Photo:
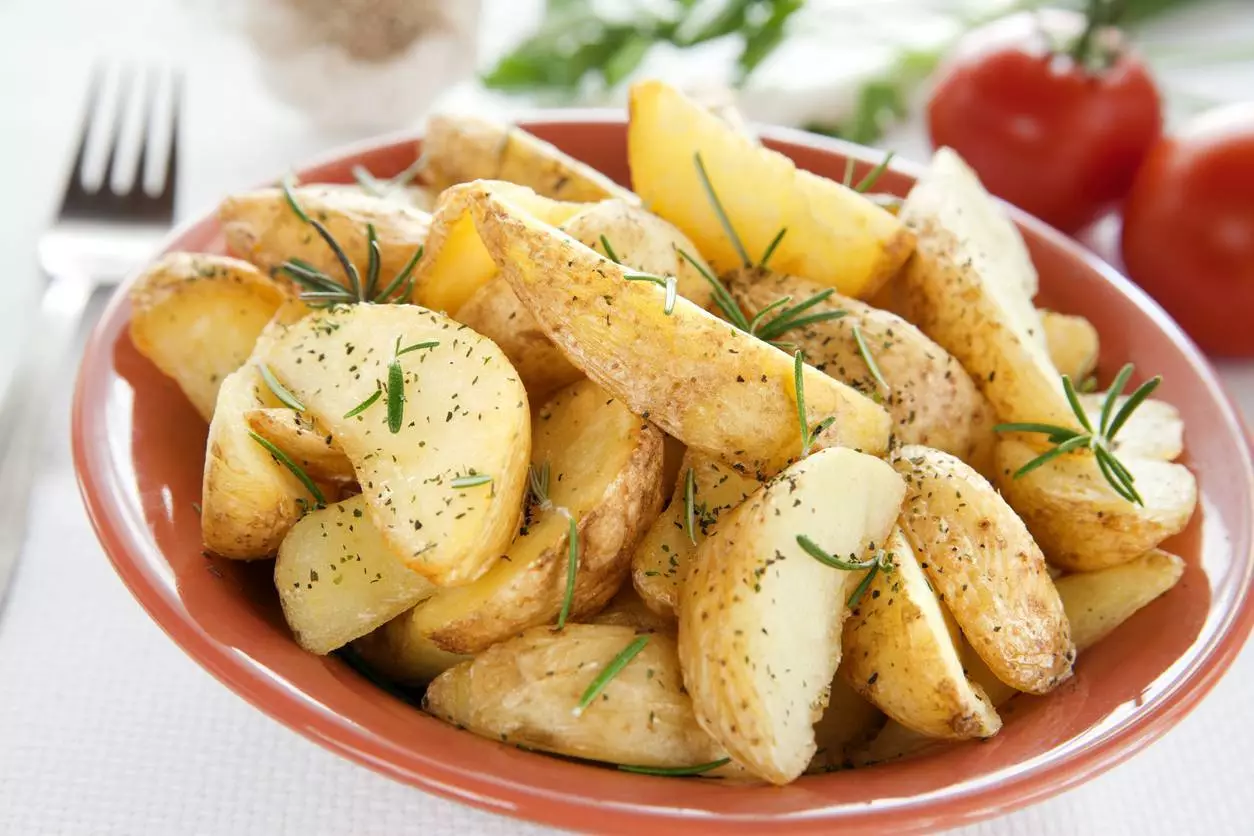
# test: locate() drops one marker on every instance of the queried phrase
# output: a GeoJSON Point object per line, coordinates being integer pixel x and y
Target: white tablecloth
{"type": "Point", "coordinates": [105, 727]}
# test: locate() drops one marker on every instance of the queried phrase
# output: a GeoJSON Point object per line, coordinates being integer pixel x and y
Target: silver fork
{"type": "Point", "coordinates": [101, 233]}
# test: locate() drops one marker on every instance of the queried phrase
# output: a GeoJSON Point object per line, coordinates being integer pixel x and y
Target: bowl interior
{"type": "Point", "coordinates": [139, 452]}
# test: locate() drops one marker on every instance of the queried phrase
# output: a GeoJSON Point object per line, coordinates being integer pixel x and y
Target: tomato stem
{"type": "Point", "coordinates": [1086, 52]}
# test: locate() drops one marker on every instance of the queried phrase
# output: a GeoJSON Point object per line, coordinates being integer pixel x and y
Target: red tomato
{"type": "Point", "coordinates": [1188, 229]}
{"type": "Point", "coordinates": [1056, 139]}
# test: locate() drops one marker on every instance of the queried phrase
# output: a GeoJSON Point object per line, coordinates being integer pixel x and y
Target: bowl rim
{"type": "Point", "coordinates": [1035, 782]}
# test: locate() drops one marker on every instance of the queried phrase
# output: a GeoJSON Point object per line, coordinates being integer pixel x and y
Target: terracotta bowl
{"type": "Point", "coordinates": [138, 451]}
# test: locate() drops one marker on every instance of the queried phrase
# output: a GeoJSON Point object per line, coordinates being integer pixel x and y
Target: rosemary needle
{"type": "Point", "coordinates": [471, 480]}
{"type": "Point", "coordinates": [396, 395]}
{"type": "Point", "coordinates": [280, 391]}
{"type": "Point", "coordinates": [364, 405]}
{"type": "Point", "coordinates": [869, 359]}
{"type": "Point", "coordinates": [690, 500]}
{"type": "Point", "coordinates": [612, 670]}
{"type": "Point", "coordinates": [572, 566]}
{"type": "Point", "coordinates": [717, 206]}
{"type": "Point", "coordinates": [297, 471]}
{"type": "Point", "coordinates": [675, 771]}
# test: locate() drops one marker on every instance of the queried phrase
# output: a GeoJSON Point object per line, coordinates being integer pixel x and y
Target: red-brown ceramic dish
{"type": "Point", "coordinates": [138, 450]}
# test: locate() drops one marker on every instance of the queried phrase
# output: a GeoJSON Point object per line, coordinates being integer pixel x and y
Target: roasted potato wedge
{"type": "Point", "coordinates": [405, 655]}
{"type": "Point", "coordinates": [463, 413]}
{"type": "Point", "coordinates": [986, 568]}
{"type": "Point", "coordinates": [662, 556]}
{"type": "Point", "coordinates": [1079, 520]}
{"type": "Point", "coordinates": [931, 399]}
{"type": "Point", "coordinates": [627, 609]}
{"type": "Point", "coordinates": [835, 236]}
{"type": "Point", "coordinates": [1098, 602]}
{"type": "Point", "coordinates": [261, 227]}
{"type": "Point", "coordinates": [1155, 429]}
{"type": "Point", "coordinates": [459, 149]}
{"type": "Point", "coordinates": [893, 742]}
{"type": "Point", "coordinates": [304, 440]}
{"type": "Point", "coordinates": [898, 655]}
{"type": "Point", "coordinates": [715, 388]}
{"type": "Point", "coordinates": [969, 287]}
{"type": "Point", "coordinates": [848, 722]}
{"type": "Point", "coordinates": [638, 239]}
{"type": "Point", "coordinates": [338, 580]}
{"type": "Point", "coordinates": [1072, 342]}
{"type": "Point", "coordinates": [760, 619]}
{"type": "Point", "coordinates": [197, 318]}
{"type": "Point", "coordinates": [527, 691]}
{"type": "Point", "coordinates": [605, 472]}
{"type": "Point", "coordinates": [455, 264]}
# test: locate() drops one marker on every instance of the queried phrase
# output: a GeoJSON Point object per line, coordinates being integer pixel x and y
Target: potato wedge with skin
{"type": "Point", "coordinates": [404, 655]}
{"type": "Point", "coordinates": [459, 149]}
{"type": "Point", "coordinates": [931, 399]}
{"type": "Point", "coordinates": [760, 619]}
{"type": "Point", "coordinates": [898, 654]}
{"type": "Point", "coordinates": [715, 388]}
{"type": "Point", "coordinates": [1098, 602]}
{"type": "Point", "coordinates": [627, 609]}
{"type": "Point", "coordinates": [1155, 429]}
{"type": "Point", "coordinates": [638, 239]}
{"type": "Point", "coordinates": [848, 722]}
{"type": "Point", "coordinates": [455, 264]}
{"type": "Point", "coordinates": [662, 556]}
{"type": "Point", "coordinates": [1072, 342]}
{"type": "Point", "coordinates": [338, 580]}
{"type": "Point", "coordinates": [261, 227]}
{"type": "Point", "coordinates": [464, 412]}
{"type": "Point", "coordinates": [605, 471]}
{"type": "Point", "coordinates": [986, 569]}
{"type": "Point", "coordinates": [1076, 516]}
{"type": "Point", "coordinates": [893, 742]}
{"type": "Point", "coordinates": [969, 287]}
{"type": "Point", "coordinates": [526, 691]}
{"type": "Point", "coordinates": [835, 237]}
{"type": "Point", "coordinates": [197, 318]}
{"type": "Point", "coordinates": [304, 440]}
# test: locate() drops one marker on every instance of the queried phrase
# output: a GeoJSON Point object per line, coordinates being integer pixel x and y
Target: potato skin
{"type": "Point", "coordinates": [460, 149]}
{"type": "Point", "coordinates": [1072, 342]}
{"type": "Point", "coordinates": [1077, 518]}
{"type": "Point", "coordinates": [760, 619]}
{"type": "Point", "coordinates": [605, 471]}
{"type": "Point", "coordinates": [261, 227]}
{"type": "Point", "coordinates": [304, 440]}
{"type": "Point", "coordinates": [404, 655]}
{"type": "Point", "coordinates": [197, 318]}
{"type": "Point", "coordinates": [986, 568]}
{"type": "Point", "coordinates": [898, 655]}
{"type": "Point", "coordinates": [525, 691]}
{"type": "Point", "coordinates": [711, 386]}
{"type": "Point", "coordinates": [931, 398]}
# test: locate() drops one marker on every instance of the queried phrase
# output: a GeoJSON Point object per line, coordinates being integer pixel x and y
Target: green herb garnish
{"type": "Point", "coordinates": [379, 187]}
{"type": "Point", "coordinates": [881, 561]}
{"type": "Point", "coordinates": [400, 352]}
{"type": "Point", "coordinates": [791, 317]}
{"type": "Point", "coordinates": [297, 471]}
{"type": "Point", "coordinates": [471, 480]}
{"type": "Point", "coordinates": [572, 566]}
{"type": "Point", "coordinates": [611, 670]}
{"type": "Point", "coordinates": [538, 479]}
{"type": "Point", "coordinates": [280, 391]}
{"type": "Point", "coordinates": [690, 504]}
{"type": "Point", "coordinates": [770, 248]}
{"type": "Point", "coordinates": [364, 405]}
{"type": "Point", "coordinates": [1100, 439]}
{"type": "Point", "coordinates": [869, 359]}
{"type": "Point", "coordinates": [676, 771]}
{"type": "Point", "coordinates": [668, 283]}
{"type": "Point", "coordinates": [722, 296]}
{"type": "Point", "coordinates": [717, 206]}
{"type": "Point", "coordinates": [396, 395]}
{"type": "Point", "coordinates": [865, 184]}
{"type": "Point", "coordinates": [609, 251]}
{"type": "Point", "coordinates": [807, 435]}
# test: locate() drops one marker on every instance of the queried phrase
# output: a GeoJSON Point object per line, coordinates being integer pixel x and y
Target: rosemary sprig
{"type": "Point", "coordinates": [668, 283]}
{"type": "Point", "coordinates": [864, 185]}
{"type": "Point", "coordinates": [350, 271]}
{"type": "Point", "coordinates": [717, 206]}
{"type": "Point", "coordinates": [791, 317]}
{"type": "Point", "coordinates": [675, 771]}
{"type": "Point", "coordinates": [609, 250]}
{"type": "Point", "coordinates": [470, 480]}
{"type": "Point", "coordinates": [1100, 439]}
{"type": "Point", "coordinates": [396, 392]}
{"type": "Point", "coordinates": [807, 435]}
{"type": "Point", "coordinates": [400, 352]}
{"type": "Point", "coordinates": [722, 296]}
{"type": "Point", "coordinates": [572, 566]}
{"type": "Point", "coordinates": [296, 470]}
{"type": "Point", "coordinates": [613, 669]}
{"type": "Point", "coordinates": [869, 359]}
{"type": "Point", "coordinates": [280, 391]}
{"type": "Point", "coordinates": [879, 562]}
{"type": "Point", "coordinates": [770, 248]}
{"type": "Point", "coordinates": [364, 405]}
{"type": "Point", "coordinates": [690, 504]}
{"type": "Point", "coordinates": [373, 260]}
{"type": "Point", "coordinates": [538, 479]}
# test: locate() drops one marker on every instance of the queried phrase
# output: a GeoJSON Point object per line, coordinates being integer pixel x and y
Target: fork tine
{"type": "Point", "coordinates": [120, 108]}
{"type": "Point", "coordinates": [166, 195]}
{"type": "Point", "coordinates": [74, 185]}
{"type": "Point", "coordinates": [145, 132]}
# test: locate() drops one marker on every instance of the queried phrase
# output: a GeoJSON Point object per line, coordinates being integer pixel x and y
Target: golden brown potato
{"type": "Point", "coordinates": [835, 236]}
{"type": "Point", "coordinates": [986, 569]}
{"type": "Point", "coordinates": [605, 470]}
{"type": "Point", "coordinates": [713, 387]}
{"type": "Point", "coordinates": [1072, 343]}
{"type": "Point", "coordinates": [898, 654]}
{"type": "Point", "coordinates": [338, 580]}
{"type": "Point", "coordinates": [260, 226]}
{"type": "Point", "coordinates": [662, 556]}
{"type": "Point", "coordinates": [459, 149]}
{"type": "Point", "coordinates": [1098, 602]}
{"type": "Point", "coordinates": [760, 619]}
{"type": "Point", "coordinates": [197, 318]}
{"type": "Point", "coordinates": [455, 264]}
{"type": "Point", "coordinates": [893, 742]}
{"type": "Point", "coordinates": [405, 655]}
{"type": "Point", "coordinates": [304, 440]}
{"type": "Point", "coordinates": [969, 287]}
{"type": "Point", "coordinates": [527, 691]}
{"type": "Point", "coordinates": [627, 609]}
{"type": "Point", "coordinates": [1155, 429]}
{"type": "Point", "coordinates": [931, 399]}
{"type": "Point", "coordinates": [462, 415]}
{"type": "Point", "coordinates": [1076, 516]}
{"type": "Point", "coordinates": [848, 722]}
{"type": "Point", "coordinates": [638, 239]}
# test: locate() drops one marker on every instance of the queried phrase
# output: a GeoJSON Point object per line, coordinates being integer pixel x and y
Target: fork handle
{"type": "Point", "coordinates": [35, 386]}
